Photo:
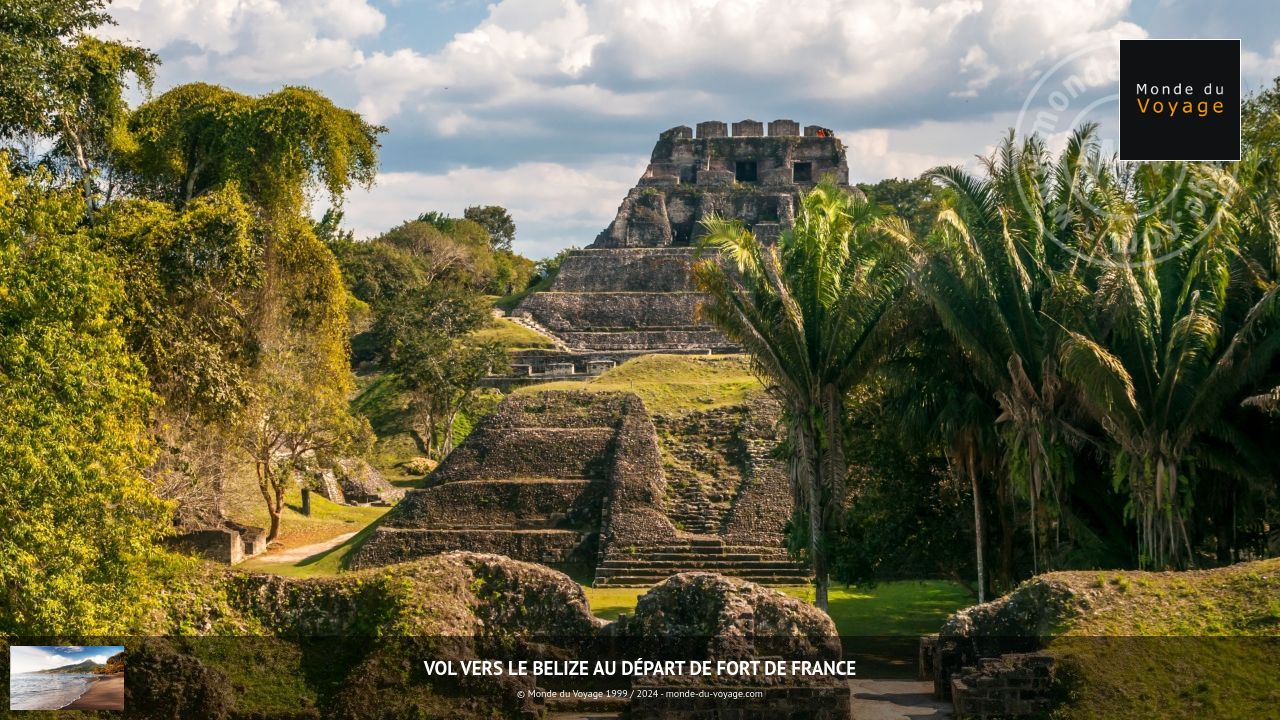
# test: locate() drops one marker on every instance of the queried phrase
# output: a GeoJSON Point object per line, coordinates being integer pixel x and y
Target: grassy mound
{"type": "Point", "coordinates": [901, 608]}
{"type": "Point", "coordinates": [675, 384]}
{"type": "Point", "coordinates": [512, 336]}
{"type": "Point", "coordinates": [1149, 644]}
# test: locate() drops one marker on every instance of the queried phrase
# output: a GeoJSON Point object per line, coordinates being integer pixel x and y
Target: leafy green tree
{"type": "Point", "coordinates": [512, 273]}
{"type": "Point", "coordinates": [88, 106]}
{"type": "Point", "coordinates": [282, 320]}
{"type": "Point", "coordinates": [35, 36]}
{"type": "Point", "coordinates": [80, 521]}
{"type": "Point", "coordinates": [496, 221]}
{"type": "Point", "coordinates": [917, 201]}
{"type": "Point", "coordinates": [994, 264]}
{"type": "Point", "coordinates": [296, 411]}
{"type": "Point", "coordinates": [277, 147]}
{"type": "Point", "coordinates": [58, 83]}
{"type": "Point", "coordinates": [191, 278]}
{"type": "Point", "coordinates": [427, 339]}
{"type": "Point", "coordinates": [937, 409]}
{"type": "Point", "coordinates": [815, 313]}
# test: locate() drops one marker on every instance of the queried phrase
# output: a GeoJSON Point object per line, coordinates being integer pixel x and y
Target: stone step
{"type": "Point", "coordinates": [763, 568]}
{"type": "Point", "coordinates": [626, 557]}
{"type": "Point", "coordinates": [714, 549]}
{"type": "Point", "coordinates": [637, 581]}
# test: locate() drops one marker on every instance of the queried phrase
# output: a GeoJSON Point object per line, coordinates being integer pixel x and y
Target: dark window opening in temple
{"type": "Point", "coordinates": [746, 171]}
{"type": "Point", "coordinates": [802, 172]}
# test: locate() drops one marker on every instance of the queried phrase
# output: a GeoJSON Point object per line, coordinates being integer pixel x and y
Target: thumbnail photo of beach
{"type": "Point", "coordinates": [73, 677]}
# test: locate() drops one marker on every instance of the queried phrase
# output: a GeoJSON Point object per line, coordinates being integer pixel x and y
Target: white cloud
{"type": "Point", "coordinates": [251, 40]}
{"type": "Point", "coordinates": [553, 205]}
{"type": "Point", "coordinates": [599, 56]}
{"type": "Point", "coordinates": [24, 659]}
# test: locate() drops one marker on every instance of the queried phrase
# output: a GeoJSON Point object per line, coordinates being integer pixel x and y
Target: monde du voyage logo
{"type": "Point", "coordinates": [1180, 100]}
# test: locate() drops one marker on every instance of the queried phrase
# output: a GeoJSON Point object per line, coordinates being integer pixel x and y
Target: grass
{"type": "Point", "coordinates": [510, 302]}
{"type": "Point", "coordinates": [326, 520]}
{"type": "Point", "coordinates": [906, 608]}
{"type": "Point", "coordinates": [512, 336]}
{"type": "Point", "coordinates": [324, 564]}
{"type": "Point", "coordinates": [674, 384]}
{"type": "Point", "coordinates": [1193, 644]}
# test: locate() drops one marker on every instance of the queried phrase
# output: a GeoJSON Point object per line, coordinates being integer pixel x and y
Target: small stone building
{"type": "Point", "coordinates": [229, 543]}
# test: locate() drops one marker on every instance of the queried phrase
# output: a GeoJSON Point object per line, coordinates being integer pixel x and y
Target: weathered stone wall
{"type": "Point", "coordinates": [578, 312]}
{"type": "Point", "coordinates": [537, 480]}
{"type": "Point", "coordinates": [390, 545]}
{"type": "Point", "coordinates": [631, 289]}
{"type": "Point", "coordinates": [555, 452]}
{"type": "Point", "coordinates": [1017, 685]}
{"type": "Point", "coordinates": [632, 513]}
{"type": "Point", "coordinates": [626, 270]}
{"type": "Point", "coordinates": [649, 340]}
{"type": "Point", "coordinates": [704, 616]}
{"type": "Point", "coordinates": [217, 544]}
{"type": "Point", "coordinates": [525, 504]}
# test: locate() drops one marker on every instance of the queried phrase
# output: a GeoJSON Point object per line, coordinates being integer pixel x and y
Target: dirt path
{"type": "Point", "coordinates": [295, 555]}
{"type": "Point", "coordinates": [896, 700]}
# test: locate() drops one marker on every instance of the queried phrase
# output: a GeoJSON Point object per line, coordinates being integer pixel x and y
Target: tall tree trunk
{"type": "Point", "coordinates": [807, 470]}
{"type": "Point", "coordinates": [271, 493]}
{"type": "Point", "coordinates": [278, 508]}
{"type": "Point", "coordinates": [446, 445]}
{"type": "Point", "coordinates": [977, 523]}
{"type": "Point", "coordinates": [82, 162]}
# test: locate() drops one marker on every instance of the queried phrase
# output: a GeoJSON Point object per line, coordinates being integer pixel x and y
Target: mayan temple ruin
{"type": "Point", "coordinates": [592, 481]}
{"type": "Point", "coordinates": [629, 292]}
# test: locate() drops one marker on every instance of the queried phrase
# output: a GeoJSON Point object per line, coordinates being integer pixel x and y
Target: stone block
{"type": "Point", "coordinates": [715, 178]}
{"type": "Point", "coordinates": [748, 128]}
{"type": "Point", "coordinates": [596, 367]}
{"type": "Point", "coordinates": [679, 132]}
{"type": "Point", "coordinates": [559, 369]}
{"type": "Point", "coordinates": [217, 544]}
{"type": "Point", "coordinates": [784, 128]}
{"type": "Point", "coordinates": [712, 129]}
{"type": "Point", "coordinates": [817, 131]}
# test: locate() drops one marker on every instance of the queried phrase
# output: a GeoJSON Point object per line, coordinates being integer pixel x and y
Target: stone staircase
{"type": "Point", "coordinates": [692, 512]}
{"type": "Point", "coordinates": [525, 320]}
{"type": "Point", "coordinates": [651, 564]}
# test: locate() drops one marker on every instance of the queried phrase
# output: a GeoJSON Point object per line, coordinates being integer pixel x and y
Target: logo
{"type": "Point", "coordinates": [1180, 100]}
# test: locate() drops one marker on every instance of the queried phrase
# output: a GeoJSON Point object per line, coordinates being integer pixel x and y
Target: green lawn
{"type": "Point", "coordinates": [512, 335]}
{"type": "Point", "coordinates": [674, 384]}
{"type": "Point", "coordinates": [324, 564]}
{"type": "Point", "coordinates": [908, 607]}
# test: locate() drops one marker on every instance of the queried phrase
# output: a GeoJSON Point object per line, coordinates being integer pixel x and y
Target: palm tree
{"type": "Point", "coordinates": [1171, 347]}
{"type": "Point", "coordinates": [994, 263]}
{"type": "Point", "coordinates": [814, 312]}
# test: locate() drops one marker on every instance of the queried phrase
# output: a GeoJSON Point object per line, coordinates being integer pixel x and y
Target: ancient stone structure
{"type": "Point", "coordinates": [1017, 685]}
{"type": "Point", "coordinates": [569, 478]}
{"type": "Point", "coordinates": [708, 617]}
{"type": "Point", "coordinates": [229, 543]}
{"type": "Point", "coordinates": [988, 659]}
{"type": "Point", "coordinates": [630, 290]}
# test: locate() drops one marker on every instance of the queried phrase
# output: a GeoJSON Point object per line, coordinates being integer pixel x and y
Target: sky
{"type": "Point", "coordinates": [30, 658]}
{"type": "Point", "coordinates": [551, 107]}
